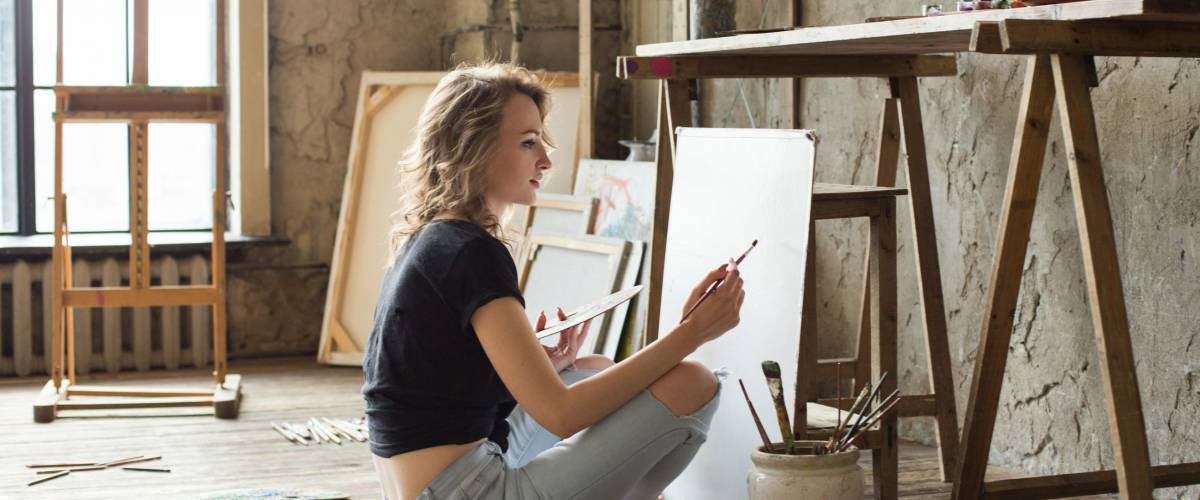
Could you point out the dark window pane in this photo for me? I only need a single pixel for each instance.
(182, 48)
(45, 41)
(182, 160)
(8, 44)
(8, 161)
(94, 41)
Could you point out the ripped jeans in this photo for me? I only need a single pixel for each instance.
(634, 453)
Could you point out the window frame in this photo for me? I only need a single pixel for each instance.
(25, 89)
(23, 45)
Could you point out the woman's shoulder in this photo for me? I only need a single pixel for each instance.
(443, 242)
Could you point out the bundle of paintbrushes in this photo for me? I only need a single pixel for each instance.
(323, 430)
(864, 416)
(48, 472)
(850, 427)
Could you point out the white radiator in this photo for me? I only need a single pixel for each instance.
(108, 339)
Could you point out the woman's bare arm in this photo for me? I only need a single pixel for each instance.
(510, 344)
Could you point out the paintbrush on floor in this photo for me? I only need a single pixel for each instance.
(775, 384)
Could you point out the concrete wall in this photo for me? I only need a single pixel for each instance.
(1052, 411)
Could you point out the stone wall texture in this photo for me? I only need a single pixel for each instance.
(1052, 416)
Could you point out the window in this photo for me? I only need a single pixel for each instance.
(98, 49)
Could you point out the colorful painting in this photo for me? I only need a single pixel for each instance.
(626, 193)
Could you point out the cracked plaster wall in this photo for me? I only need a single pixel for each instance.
(1052, 415)
(318, 49)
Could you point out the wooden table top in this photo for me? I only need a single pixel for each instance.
(924, 35)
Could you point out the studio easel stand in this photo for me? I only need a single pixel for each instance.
(136, 105)
(75, 104)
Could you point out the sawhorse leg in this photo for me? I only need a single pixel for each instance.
(1070, 79)
(908, 126)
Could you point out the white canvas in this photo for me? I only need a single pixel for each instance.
(732, 186)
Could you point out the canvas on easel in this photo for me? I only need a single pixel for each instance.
(389, 105)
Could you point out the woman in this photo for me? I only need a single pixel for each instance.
(451, 347)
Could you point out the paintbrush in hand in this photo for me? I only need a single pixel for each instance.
(775, 384)
(713, 287)
(762, 432)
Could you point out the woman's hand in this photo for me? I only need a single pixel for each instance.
(721, 311)
(569, 340)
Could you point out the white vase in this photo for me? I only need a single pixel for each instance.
(777, 476)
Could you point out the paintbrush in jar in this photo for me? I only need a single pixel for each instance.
(775, 384)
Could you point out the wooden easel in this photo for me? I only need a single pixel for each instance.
(136, 105)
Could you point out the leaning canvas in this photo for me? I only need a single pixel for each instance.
(732, 186)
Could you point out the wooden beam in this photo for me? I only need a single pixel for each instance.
(140, 403)
(929, 275)
(586, 84)
(1101, 38)
(129, 297)
(985, 38)
(47, 400)
(141, 42)
(883, 344)
(887, 158)
(648, 68)
(1101, 267)
(1087, 483)
(845, 208)
(139, 116)
(673, 112)
(922, 405)
(1012, 241)
(142, 99)
(139, 392)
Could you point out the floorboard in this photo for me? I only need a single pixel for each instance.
(207, 455)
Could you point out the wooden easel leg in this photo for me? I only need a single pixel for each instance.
(806, 353)
(883, 241)
(929, 275)
(885, 175)
(1012, 241)
(672, 112)
(1124, 405)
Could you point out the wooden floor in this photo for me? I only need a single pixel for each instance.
(207, 455)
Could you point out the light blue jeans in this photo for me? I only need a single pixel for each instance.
(634, 453)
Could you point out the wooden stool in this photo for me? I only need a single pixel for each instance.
(876, 351)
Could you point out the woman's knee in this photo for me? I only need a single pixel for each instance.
(595, 362)
(686, 388)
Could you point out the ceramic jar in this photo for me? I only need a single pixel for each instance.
(776, 476)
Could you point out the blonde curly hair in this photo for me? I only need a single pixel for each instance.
(445, 169)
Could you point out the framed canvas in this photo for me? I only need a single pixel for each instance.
(389, 105)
